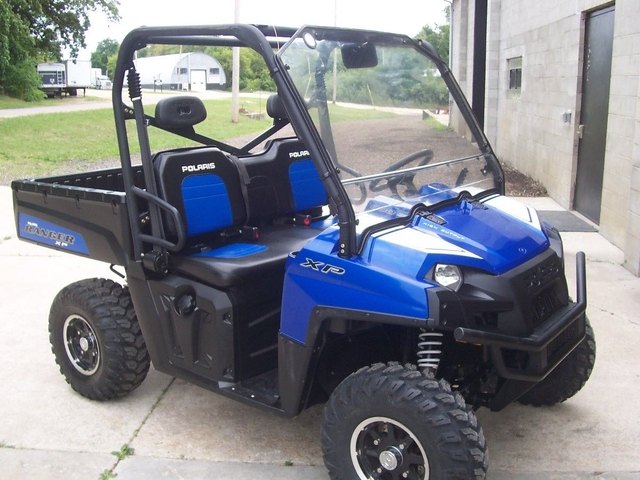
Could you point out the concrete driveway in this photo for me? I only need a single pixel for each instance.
(179, 431)
(102, 99)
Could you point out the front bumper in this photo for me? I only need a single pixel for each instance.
(532, 358)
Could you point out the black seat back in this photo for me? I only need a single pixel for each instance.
(281, 181)
(204, 185)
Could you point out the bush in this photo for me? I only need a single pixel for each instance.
(23, 82)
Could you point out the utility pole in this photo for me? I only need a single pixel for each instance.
(335, 54)
(235, 71)
(450, 2)
(451, 102)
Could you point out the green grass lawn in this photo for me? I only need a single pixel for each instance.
(345, 114)
(436, 125)
(8, 102)
(39, 145)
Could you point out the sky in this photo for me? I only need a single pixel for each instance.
(398, 16)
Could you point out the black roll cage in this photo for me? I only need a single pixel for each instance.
(264, 40)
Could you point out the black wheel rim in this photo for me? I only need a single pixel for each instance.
(81, 345)
(385, 449)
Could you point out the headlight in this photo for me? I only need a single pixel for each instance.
(448, 276)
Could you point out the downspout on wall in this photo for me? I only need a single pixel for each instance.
(479, 60)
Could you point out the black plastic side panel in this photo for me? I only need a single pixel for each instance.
(194, 328)
(147, 314)
(295, 371)
(211, 346)
(188, 326)
(257, 308)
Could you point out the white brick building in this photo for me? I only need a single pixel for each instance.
(538, 75)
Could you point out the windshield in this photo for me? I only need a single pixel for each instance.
(384, 115)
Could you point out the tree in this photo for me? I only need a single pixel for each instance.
(254, 74)
(111, 65)
(104, 49)
(57, 23)
(34, 30)
(438, 36)
(17, 70)
(156, 50)
(15, 42)
(22, 81)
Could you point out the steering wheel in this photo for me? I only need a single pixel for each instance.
(422, 157)
(363, 189)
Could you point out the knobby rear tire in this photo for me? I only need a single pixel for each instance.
(96, 339)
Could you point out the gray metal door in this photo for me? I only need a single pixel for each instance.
(596, 77)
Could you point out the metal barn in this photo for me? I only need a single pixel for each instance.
(193, 71)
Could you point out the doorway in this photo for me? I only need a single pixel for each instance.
(198, 80)
(592, 132)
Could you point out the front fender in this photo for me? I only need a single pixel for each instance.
(297, 361)
(314, 279)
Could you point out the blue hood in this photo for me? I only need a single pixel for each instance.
(494, 236)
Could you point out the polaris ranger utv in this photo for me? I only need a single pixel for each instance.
(359, 252)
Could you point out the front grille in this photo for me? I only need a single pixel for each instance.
(541, 274)
(544, 305)
(514, 303)
(542, 291)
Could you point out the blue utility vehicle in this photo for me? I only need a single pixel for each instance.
(359, 252)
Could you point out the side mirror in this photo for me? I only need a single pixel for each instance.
(361, 55)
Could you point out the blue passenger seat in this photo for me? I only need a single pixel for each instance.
(282, 180)
(219, 198)
(204, 185)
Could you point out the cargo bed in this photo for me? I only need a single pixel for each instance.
(84, 213)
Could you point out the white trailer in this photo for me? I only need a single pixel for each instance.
(66, 77)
